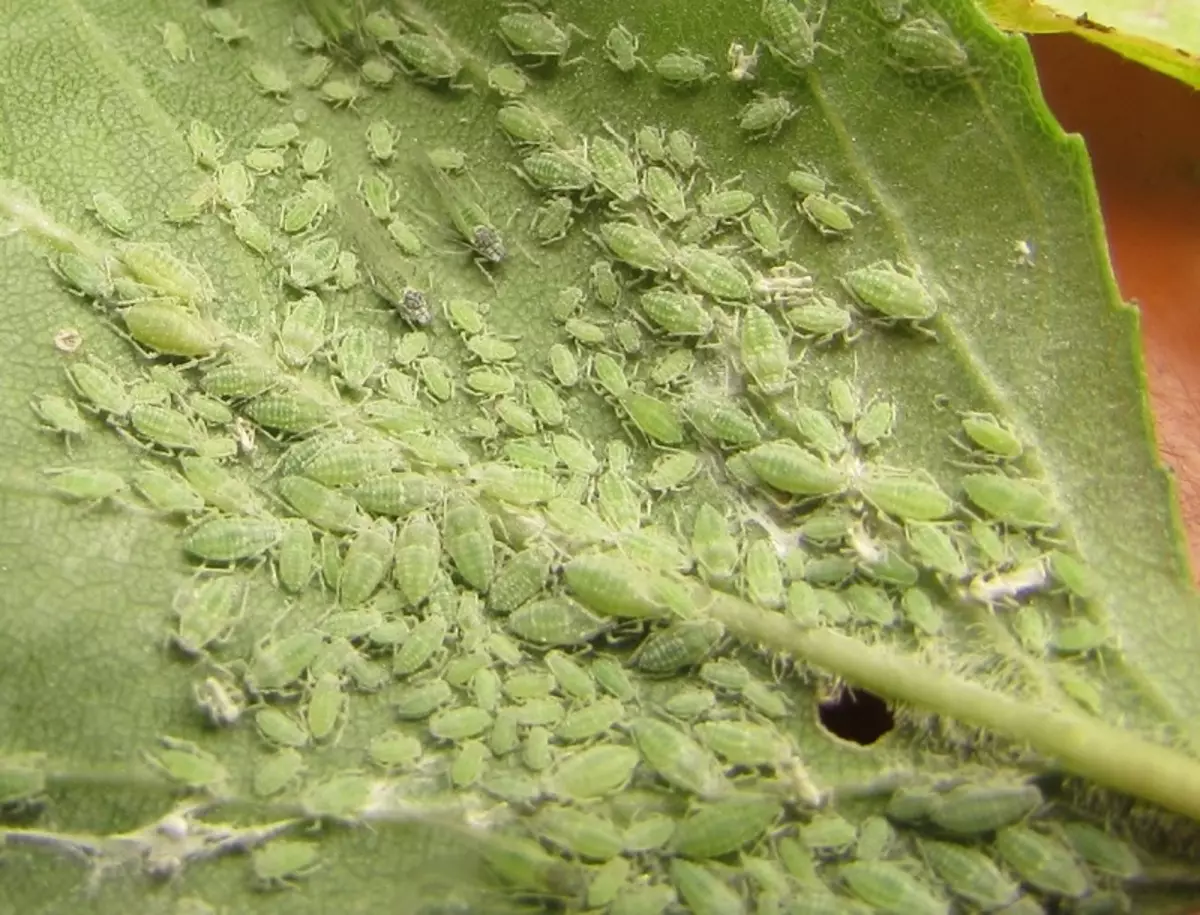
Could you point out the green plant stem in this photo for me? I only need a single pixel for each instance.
(1084, 746)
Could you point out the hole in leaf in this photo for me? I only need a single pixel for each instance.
(856, 715)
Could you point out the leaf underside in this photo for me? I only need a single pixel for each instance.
(961, 177)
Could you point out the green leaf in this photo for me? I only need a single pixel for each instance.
(960, 175)
(1165, 37)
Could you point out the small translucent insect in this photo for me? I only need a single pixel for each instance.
(280, 729)
(621, 47)
(282, 862)
(613, 167)
(636, 245)
(714, 274)
(206, 144)
(321, 506)
(235, 185)
(791, 37)
(598, 771)
(609, 376)
(277, 772)
(765, 116)
(989, 435)
(507, 80)
(677, 758)
(468, 216)
(743, 65)
(1105, 852)
(969, 874)
(340, 93)
(175, 42)
(721, 420)
(270, 80)
(186, 764)
(651, 143)
(1011, 500)
(672, 472)
(885, 885)
(684, 69)
(377, 71)
(658, 420)
(251, 231)
(470, 543)
(557, 171)
(664, 194)
(418, 555)
(876, 423)
(111, 213)
(924, 46)
(427, 58)
(762, 575)
(315, 71)
(677, 313)
(224, 25)
(909, 497)
(381, 140)
(535, 34)
(680, 645)
(564, 365)
(721, 828)
(60, 416)
(893, 292)
(1042, 861)
(422, 645)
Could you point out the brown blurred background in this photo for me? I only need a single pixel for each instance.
(1143, 133)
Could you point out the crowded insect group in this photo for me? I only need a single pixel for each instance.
(473, 594)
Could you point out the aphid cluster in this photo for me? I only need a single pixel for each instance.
(529, 605)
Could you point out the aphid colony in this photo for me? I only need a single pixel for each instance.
(514, 593)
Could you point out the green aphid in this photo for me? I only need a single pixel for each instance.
(884, 885)
(822, 321)
(969, 874)
(920, 610)
(417, 558)
(744, 743)
(1042, 861)
(973, 810)
(279, 864)
(507, 80)
(555, 621)
(684, 69)
(311, 266)
(714, 274)
(621, 47)
(251, 231)
(1011, 500)
(60, 416)
(703, 890)
(893, 292)
(422, 646)
(908, 497)
(170, 330)
(791, 469)
(1102, 850)
(321, 506)
(340, 93)
(765, 116)
(557, 171)
(672, 472)
(677, 758)
(166, 491)
(829, 215)
(224, 25)
(674, 368)
(924, 46)
(207, 610)
(664, 194)
(529, 33)
(220, 488)
(527, 125)
(187, 765)
(232, 539)
(206, 144)
(581, 833)
(367, 562)
(613, 166)
(376, 71)
(658, 420)
(722, 421)
(552, 221)
(420, 700)
(315, 71)
(175, 42)
(270, 80)
(681, 645)
(291, 412)
(235, 185)
(876, 423)
(381, 140)
(600, 770)
(677, 313)
(165, 430)
(278, 772)
(638, 246)
(281, 729)
(995, 439)
(468, 216)
(721, 828)
(111, 213)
